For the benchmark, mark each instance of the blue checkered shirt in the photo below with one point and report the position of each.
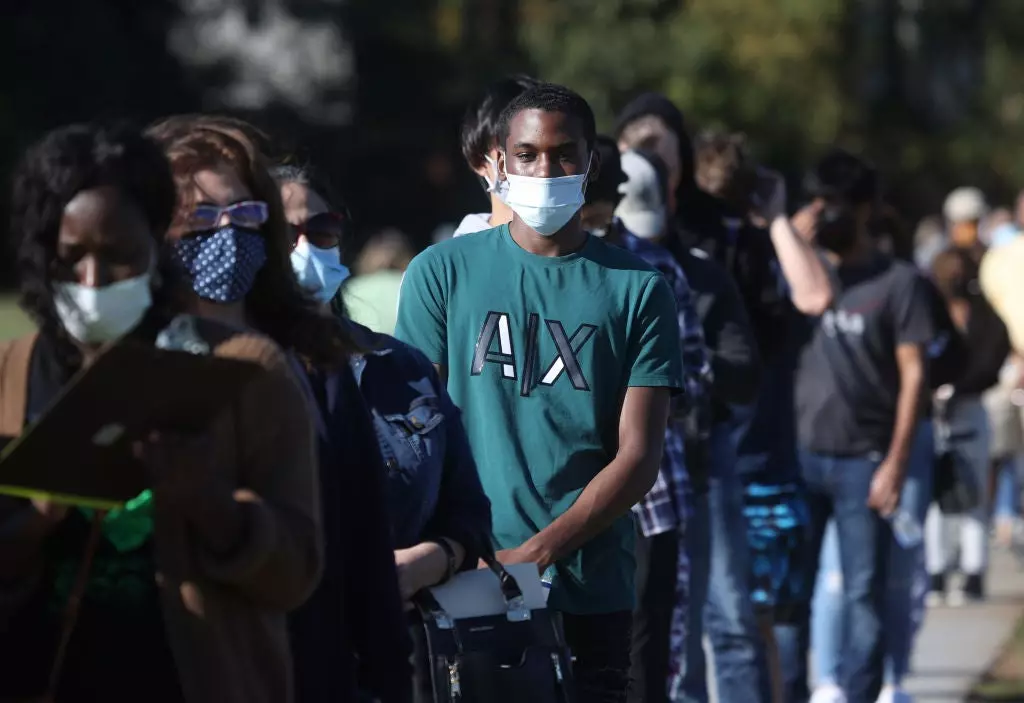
(665, 507)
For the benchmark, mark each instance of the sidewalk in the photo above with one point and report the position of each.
(956, 645)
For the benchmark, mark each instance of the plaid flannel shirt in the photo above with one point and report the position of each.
(665, 507)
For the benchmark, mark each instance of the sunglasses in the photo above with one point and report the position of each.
(326, 230)
(251, 214)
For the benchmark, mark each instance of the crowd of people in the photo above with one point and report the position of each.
(702, 415)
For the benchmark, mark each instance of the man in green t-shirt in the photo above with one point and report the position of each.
(562, 352)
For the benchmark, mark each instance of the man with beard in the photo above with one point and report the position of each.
(860, 382)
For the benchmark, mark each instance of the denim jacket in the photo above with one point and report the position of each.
(433, 486)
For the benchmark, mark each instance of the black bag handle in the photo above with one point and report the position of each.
(509, 587)
(515, 603)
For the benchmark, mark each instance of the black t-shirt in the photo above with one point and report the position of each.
(748, 254)
(988, 343)
(847, 378)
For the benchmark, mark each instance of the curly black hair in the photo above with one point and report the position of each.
(62, 164)
(480, 124)
(550, 97)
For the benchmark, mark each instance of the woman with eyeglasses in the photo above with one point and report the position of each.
(188, 583)
(439, 516)
(231, 236)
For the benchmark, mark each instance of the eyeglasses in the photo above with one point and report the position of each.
(248, 213)
(326, 230)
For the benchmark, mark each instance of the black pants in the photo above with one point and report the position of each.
(656, 573)
(600, 647)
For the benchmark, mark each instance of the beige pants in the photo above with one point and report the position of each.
(1006, 420)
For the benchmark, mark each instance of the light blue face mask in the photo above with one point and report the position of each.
(546, 204)
(319, 271)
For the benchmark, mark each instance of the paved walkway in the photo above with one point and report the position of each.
(956, 645)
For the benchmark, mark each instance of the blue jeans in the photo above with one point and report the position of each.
(838, 490)
(720, 582)
(828, 622)
(1007, 498)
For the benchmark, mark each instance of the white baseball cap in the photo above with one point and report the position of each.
(965, 204)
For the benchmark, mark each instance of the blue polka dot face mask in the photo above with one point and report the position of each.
(223, 263)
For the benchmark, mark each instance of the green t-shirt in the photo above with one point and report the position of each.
(539, 353)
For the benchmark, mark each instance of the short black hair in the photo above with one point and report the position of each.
(480, 123)
(842, 177)
(605, 189)
(62, 164)
(550, 97)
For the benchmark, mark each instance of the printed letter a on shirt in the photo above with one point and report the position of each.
(496, 325)
(496, 328)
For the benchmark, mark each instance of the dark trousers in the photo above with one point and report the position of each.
(656, 561)
(600, 646)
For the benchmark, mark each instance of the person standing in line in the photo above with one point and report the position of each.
(737, 372)
(775, 271)
(1000, 283)
(775, 504)
(659, 622)
(480, 148)
(955, 273)
(841, 177)
(231, 236)
(563, 354)
(370, 296)
(598, 212)
(860, 384)
(437, 513)
(190, 580)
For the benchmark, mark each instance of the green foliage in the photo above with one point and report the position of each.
(799, 75)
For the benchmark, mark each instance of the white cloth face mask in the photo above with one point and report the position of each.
(105, 313)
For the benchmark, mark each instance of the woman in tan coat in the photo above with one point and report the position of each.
(191, 581)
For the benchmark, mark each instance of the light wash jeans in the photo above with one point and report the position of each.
(970, 433)
(905, 582)
(720, 605)
(1007, 498)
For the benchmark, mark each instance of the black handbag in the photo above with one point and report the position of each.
(518, 656)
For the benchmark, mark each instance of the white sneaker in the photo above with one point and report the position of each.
(955, 598)
(828, 693)
(892, 694)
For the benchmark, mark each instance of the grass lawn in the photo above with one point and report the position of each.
(1004, 682)
(13, 322)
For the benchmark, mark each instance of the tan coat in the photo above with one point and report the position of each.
(225, 617)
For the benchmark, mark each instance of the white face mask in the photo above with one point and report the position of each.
(546, 204)
(99, 315)
(319, 271)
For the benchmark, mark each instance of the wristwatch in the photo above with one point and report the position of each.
(450, 554)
